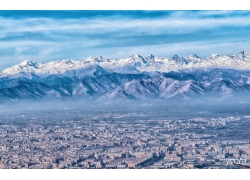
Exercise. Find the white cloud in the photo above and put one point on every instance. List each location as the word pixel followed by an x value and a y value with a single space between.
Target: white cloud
pixel 20 50
pixel 170 24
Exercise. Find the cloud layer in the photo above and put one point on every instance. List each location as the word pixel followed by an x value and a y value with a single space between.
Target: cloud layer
pixel 43 36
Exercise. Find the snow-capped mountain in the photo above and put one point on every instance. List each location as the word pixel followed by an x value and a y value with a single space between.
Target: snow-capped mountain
pixel 135 77
pixel 134 64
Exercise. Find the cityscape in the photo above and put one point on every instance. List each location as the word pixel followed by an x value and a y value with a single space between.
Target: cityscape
pixel 124 89
pixel 74 139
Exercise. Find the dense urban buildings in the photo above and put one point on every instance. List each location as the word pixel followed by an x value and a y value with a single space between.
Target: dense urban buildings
pixel 72 139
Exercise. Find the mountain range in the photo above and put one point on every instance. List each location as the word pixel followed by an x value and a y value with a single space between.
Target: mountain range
pixel 136 77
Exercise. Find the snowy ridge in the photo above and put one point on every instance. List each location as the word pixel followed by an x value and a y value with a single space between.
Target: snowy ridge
pixel 188 83
pixel 134 64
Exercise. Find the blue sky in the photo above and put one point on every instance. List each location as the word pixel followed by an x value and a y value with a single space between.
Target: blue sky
pixel 44 36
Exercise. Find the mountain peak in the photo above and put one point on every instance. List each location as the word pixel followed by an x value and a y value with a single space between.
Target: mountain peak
pixel 151 56
pixel 242 53
pixel 27 63
pixel 99 59
pixel 193 56
pixel 175 57
pixel 245 53
pixel 136 56
pixel 214 55
pixel 67 61
pixel 89 59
